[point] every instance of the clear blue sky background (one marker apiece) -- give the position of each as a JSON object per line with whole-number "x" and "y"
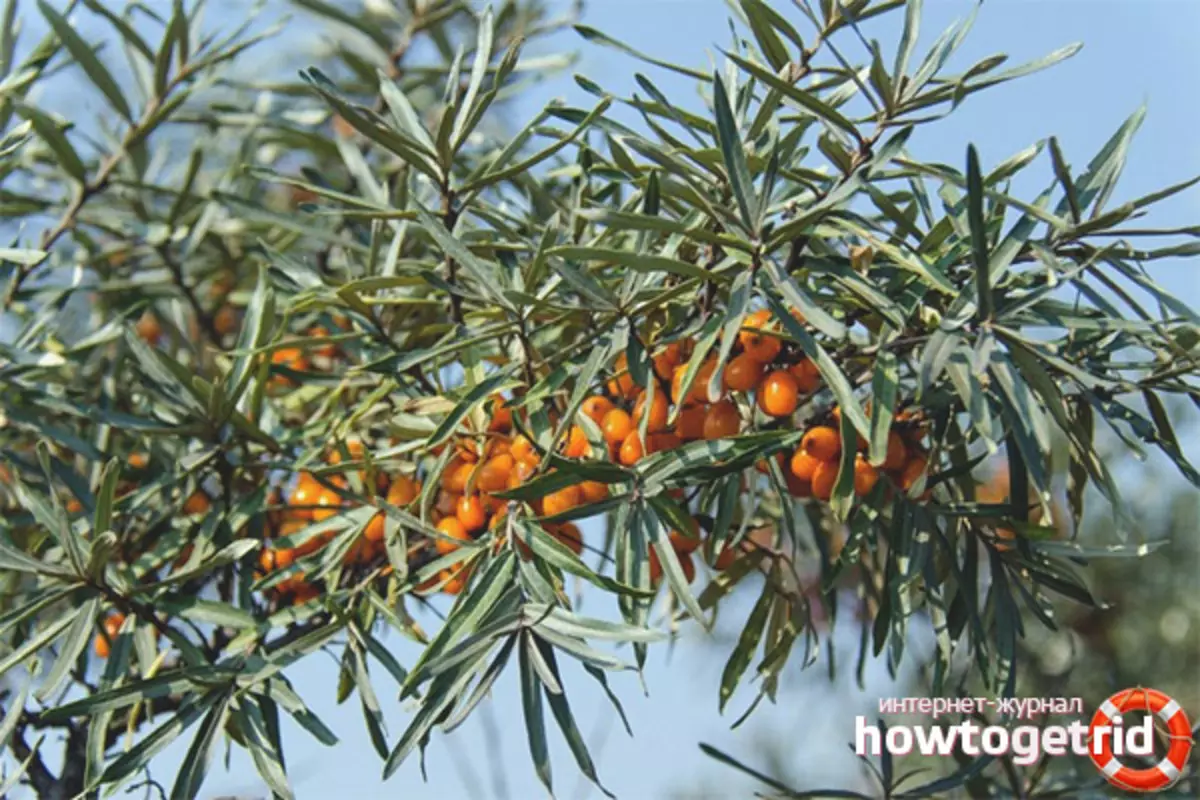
{"x": 1135, "y": 51}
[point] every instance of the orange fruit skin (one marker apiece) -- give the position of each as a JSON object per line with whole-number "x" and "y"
{"x": 455, "y": 579}
{"x": 685, "y": 563}
{"x": 685, "y": 542}
{"x": 865, "y": 476}
{"x": 622, "y": 385}
{"x": 562, "y": 501}
{"x": 762, "y": 347}
{"x": 374, "y": 530}
{"x": 593, "y": 491}
{"x": 456, "y": 474}
{"x": 454, "y": 530}
{"x": 139, "y": 460}
{"x": 656, "y": 415}
{"x": 797, "y": 487}
{"x": 595, "y": 407}
{"x": 897, "y": 453}
{"x": 656, "y": 442}
{"x": 778, "y": 395}
{"x": 568, "y": 533}
{"x": 742, "y": 373}
{"x": 304, "y": 496}
{"x": 523, "y": 451}
{"x": 226, "y": 320}
{"x": 913, "y": 470}
{"x": 103, "y": 641}
{"x": 822, "y": 443}
{"x": 617, "y": 425}
{"x": 493, "y": 475}
{"x": 148, "y": 327}
{"x": 577, "y": 444}
{"x": 823, "y": 480}
{"x": 722, "y": 420}
{"x": 327, "y": 502}
{"x": 631, "y": 449}
{"x": 725, "y": 559}
{"x": 689, "y": 424}
{"x": 501, "y": 415}
{"x": 808, "y": 377}
{"x": 198, "y": 503}
{"x": 698, "y": 393}
{"x": 403, "y": 490}
{"x": 804, "y": 465}
{"x": 470, "y": 512}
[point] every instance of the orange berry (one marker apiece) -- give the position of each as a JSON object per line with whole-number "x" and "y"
{"x": 403, "y": 490}
{"x": 631, "y": 449}
{"x": 656, "y": 416}
{"x": 804, "y": 464}
{"x": 685, "y": 542}
{"x": 577, "y": 444}
{"x": 595, "y": 407}
{"x": 690, "y": 422}
{"x": 617, "y": 426}
{"x": 865, "y": 476}
{"x": 304, "y": 593}
{"x": 762, "y": 347}
{"x": 764, "y": 466}
{"x": 725, "y": 559}
{"x": 470, "y": 512}
{"x": 698, "y": 393}
{"x": 198, "y": 503}
{"x": 303, "y": 497}
{"x": 797, "y": 487}
{"x": 501, "y": 415}
{"x": 522, "y": 449}
{"x": 743, "y": 373}
{"x": 455, "y": 579}
{"x": 685, "y": 563}
{"x": 913, "y": 470}
{"x": 622, "y": 385}
{"x": 285, "y": 557}
{"x": 226, "y": 320}
{"x": 290, "y": 357}
{"x": 822, "y": 443}
{"x": 456, "y": 475}
{"x": 823, "y": 480}
{"x": 522, "y": 471}
{"x": 493, "y": 475}
{"x": 453, "y": 529}
{"x": 139, "y": 460}
{"x": 446, "y": 503}
{"x": 808, "y": 377}
{"x": 323, "y": 350}
{"x": 560, "y": 502}
{"x": 568, "y": 533}
{"x": 778, "y": 394}
{"x": 897, "y": 453}
{"x": 327, "y": 504}
{"x": 657, "y": 442}
{"x": 593, "y": 491}
{"x": 148, "y": 327}
{"x": 374, "y": 530}
{"x": 722, "y": 420}
{"x": 74, "y": 506}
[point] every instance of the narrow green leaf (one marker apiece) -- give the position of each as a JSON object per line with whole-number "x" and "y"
{"x": 87, "y": 59}
{"x": 72, "y": 645}
{"x": 747, "y": 644}
{"x": 979, "y": 240}
{"x": 734, "y": 154}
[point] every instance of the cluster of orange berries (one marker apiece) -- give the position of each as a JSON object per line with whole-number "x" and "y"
{"x": 778, "y": 384}
{"x": 311, "y": 501}
{"x": 779, "y": 379}
{"x": 813, "y": 468}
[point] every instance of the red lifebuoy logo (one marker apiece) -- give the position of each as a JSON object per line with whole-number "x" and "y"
{"x": 1107, "y": 740}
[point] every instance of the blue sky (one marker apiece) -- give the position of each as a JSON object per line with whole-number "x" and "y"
{"x": 1135, "y": 51}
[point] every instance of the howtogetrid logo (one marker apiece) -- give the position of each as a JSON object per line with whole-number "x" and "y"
{"x": 1105, "y": 736}
{"x": 1109, "y": 740}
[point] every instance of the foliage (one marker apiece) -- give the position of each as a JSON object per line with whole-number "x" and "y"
{"x": 293, "y": 303}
